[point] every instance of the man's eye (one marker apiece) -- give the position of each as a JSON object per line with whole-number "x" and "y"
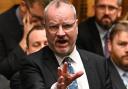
{"x": 53, "y": 27}
{"x": 122, "y": 44}
{"x": 112, "y": 8}
{"x": 101, "y": 6}
{"x": 67, "y": 26}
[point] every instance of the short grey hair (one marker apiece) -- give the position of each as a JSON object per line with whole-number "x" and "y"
{"x": 57, "y": 3}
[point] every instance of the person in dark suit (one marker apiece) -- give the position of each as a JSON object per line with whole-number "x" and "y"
{"x": 45, "y": 69}
{"x": 118, "y": 61}
{"x": 13, "y": 35}
{"x": 92, "y": 30}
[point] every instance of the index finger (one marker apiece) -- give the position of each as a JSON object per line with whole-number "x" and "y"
{"x": 65, "y": 68}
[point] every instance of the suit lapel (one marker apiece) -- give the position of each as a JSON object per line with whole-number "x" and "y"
{"x": 95, "y": 37}
{"x": 51, "y": 62}
{"x": 117, "y": 82}
{"x": 89, "y": 69}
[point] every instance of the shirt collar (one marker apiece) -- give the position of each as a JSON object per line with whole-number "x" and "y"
{"x": 73, "y": 56}
{"x": 18, "y": 16}
{"x": 120, "y": 71}
{"x": 101, "y": 31}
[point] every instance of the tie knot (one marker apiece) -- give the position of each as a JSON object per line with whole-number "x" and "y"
{"x": 106, "y": 36}
{"x": 67, "y": 59}
{"x": 125, "y": 75}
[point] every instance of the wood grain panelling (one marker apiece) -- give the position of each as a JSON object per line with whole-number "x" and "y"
{"x": 125, "y": 9}
{"x": 90, "y": 11}
{"x": 7, "y": 4}
{"x": 81, "y": 8}
{"x": 84, "y": 8}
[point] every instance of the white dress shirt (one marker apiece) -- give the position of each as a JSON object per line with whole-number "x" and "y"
{"x": 77, "y": 66}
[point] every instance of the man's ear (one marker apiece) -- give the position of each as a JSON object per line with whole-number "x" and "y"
{"x": 77, "y": 21}
{"x": 119, "y": 11}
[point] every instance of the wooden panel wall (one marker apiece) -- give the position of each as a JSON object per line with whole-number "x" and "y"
{"x": 7, "y": 4}
{"x": 125, "y": 9}
{"x": 84, "y": 7}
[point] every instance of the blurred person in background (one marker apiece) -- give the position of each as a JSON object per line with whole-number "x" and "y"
{"x": 13, "y": 35}
{"x": 118, "y": 61}
{"x": 36, "y": 39}
{"x": 92, "y": 31}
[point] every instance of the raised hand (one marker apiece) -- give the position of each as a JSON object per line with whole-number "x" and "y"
{"x": 27, "y": 27}
{"x": 65, "y": 78}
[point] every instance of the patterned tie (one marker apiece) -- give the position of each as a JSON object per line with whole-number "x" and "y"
{"x": 125, "y": 76}
{"x": 106, "y": 52}
{"x": 74, "y": 84}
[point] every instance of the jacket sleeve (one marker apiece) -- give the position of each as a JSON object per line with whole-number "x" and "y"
{"x": 11, "y": 63}
{"x": 31, "y": 77}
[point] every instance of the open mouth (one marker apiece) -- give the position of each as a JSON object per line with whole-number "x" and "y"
{"x": 61, "y": 42}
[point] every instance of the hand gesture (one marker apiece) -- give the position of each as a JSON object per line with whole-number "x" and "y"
{"x": 27, "y": 27}
{"x": 65, "y": 78}
{"x": 27, "y": 24}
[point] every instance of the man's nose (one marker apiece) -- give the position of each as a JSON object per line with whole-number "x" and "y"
{"x": 60, "y": 31}
{"x": 107, "y": 10}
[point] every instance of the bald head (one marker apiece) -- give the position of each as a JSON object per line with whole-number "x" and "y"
{"x": 61, "y": 27}
{"x": 57, "y": 4}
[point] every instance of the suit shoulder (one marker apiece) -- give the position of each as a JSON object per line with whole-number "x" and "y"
{"x": 96, "y": 61}
{"x": 8, "y": 18}
{"x": 36, "y": 55}
{"x": 91, "y": 55}
{"x": 8, "y": 13}
{"x": 87, "y": 22}
{"x": 86, "y": 26}
{"x": 41, "y": 54}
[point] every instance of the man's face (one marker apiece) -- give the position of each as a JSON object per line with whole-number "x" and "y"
{"x": 61, "y": 30}
{"x": 118, "y": 48}
{"x": 107, "y": 12}
{"x": 37, "y": 40}
{"x": 36, "y": 13}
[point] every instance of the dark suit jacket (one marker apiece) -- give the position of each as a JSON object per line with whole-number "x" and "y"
{"x": 40, "y": 71}
{"x": 11, "y": 54}
{"x": 88, "y": 37}
{"x": 117, "y": 82}
{"x": 10, "y": 36}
